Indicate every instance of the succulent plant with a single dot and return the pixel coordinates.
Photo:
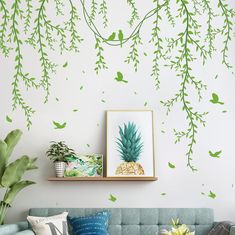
(59, 151)
(11, 174)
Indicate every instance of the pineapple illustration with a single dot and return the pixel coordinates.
(130, 147)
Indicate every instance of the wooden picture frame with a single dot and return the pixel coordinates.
(130, 144)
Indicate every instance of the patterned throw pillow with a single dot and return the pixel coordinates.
(53, 225)
(96, 224)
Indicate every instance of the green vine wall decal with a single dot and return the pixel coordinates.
(191, 42)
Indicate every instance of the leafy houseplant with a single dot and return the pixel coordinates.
(130, 147)
(11, 174)
(58, 152)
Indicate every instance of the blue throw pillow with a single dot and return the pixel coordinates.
(96, 224)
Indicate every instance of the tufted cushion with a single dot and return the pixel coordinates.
(142, 221)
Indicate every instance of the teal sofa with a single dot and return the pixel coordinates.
(130, 221)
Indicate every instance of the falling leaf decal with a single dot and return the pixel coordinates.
(103, 101)
(216, 76)
(212, 195)
(65, 64)
(215, 99)
(163, 194)
(145, 54)
(216, 154)
(145, 104)
(8, 119)
(112, 198)
(119, 78)
(224, 111)
(88, 145)
(75, 110)
(57, 125)
(172, 166)
(81, 87)
(57, 99)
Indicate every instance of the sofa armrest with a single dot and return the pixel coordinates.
(9, 229)
(232, 230)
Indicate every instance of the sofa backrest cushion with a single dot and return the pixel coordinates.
(142, 221)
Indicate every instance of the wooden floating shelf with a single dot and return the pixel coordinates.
(102, 179)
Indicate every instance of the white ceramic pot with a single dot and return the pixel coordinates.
(59, 169)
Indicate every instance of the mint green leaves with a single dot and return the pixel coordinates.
(58, 125)
(112, 198)
(216, 154)
(119, 77)
(215, 99)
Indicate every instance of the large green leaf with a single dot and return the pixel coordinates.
(11, 194)
(31, 164)
(3, 150)
(11, 140)
(14, 171)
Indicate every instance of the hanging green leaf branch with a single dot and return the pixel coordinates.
(134, 12)
(179, 53)
(14, 36)
(104, 11)
(228, 14)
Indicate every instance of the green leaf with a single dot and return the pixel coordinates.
(112, 198)
(163, 194)
(14, 171)
(171, 165)
(15, 189)
(65, 64)
(8, 119)
(212, 195)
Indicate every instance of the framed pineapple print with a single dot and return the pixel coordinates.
(130, 143)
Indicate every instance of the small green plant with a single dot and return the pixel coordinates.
(58, 151)
(11, 174)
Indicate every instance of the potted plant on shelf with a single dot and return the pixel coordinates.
(58, 152)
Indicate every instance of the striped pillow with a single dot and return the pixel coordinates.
(96, 224)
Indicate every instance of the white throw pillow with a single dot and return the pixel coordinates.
(53, 225)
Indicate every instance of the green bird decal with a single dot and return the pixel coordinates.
(119, 77)
(112, 198)
(120, 36)
(216, 154)
(172, 166)
(8, 119)
(215, 99)
(57, 125)
(212, 195)
(111, 37)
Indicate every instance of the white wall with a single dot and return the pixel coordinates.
(183, 188)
